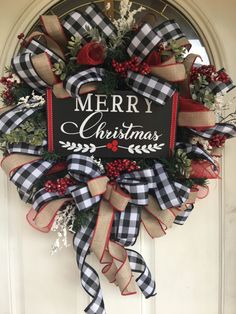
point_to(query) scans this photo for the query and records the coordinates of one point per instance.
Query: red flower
(92, 53)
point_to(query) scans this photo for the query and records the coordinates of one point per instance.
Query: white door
(194, 265)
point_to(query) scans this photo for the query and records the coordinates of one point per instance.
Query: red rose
(92, 53)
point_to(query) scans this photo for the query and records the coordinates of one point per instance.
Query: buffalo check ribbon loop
(35, 64)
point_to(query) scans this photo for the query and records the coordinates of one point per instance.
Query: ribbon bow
(35, 64)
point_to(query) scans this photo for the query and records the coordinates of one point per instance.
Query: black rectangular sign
(122, 125)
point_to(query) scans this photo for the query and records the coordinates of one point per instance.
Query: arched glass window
(162, 10)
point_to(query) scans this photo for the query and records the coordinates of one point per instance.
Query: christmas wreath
(84, 188)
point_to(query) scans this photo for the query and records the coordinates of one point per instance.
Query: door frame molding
(191, 10)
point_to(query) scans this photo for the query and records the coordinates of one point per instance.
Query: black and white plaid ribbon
(97, 19)
(75, 82)
(217, 87)
(89, 277)
(143, 42)
(168, 194)
(35, 48)
(24, 148)
(183, 215)
(26, 176)
(194, 149)
(126, 225)
(145, 282)
(13, 118)
(75, 23)
(43, 197)
(24, 67)
(229, 130)
(169, 30)
(138, 184)
(150, 87)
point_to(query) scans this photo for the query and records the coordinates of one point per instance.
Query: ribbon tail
(89, 277)
(145, 282)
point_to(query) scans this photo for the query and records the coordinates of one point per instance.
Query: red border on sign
(50, 121)
(173, 121)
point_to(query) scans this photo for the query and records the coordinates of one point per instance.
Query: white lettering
(82, 106)
(148, 103)
(116, 104)
(132, 104)
(101, 102)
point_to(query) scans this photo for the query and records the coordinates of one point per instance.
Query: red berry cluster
(133, 65)
(60, 185)
(217, 140)
(209, 71)
(7, 94)
(115, 168)
(113, 146)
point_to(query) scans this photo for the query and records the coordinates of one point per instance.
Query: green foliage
(179, 166)
(52, 156)
(201, 93)
(60, 70)
(109, 83)
(93, 34)
(74, 46)
(83, 217)
(32, 131)
(175, 49)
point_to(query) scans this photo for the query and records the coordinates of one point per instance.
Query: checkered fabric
(169, 30)
(75, 82)
(143, 42)
(43, 197)
(24, 148)
(13, 118)
(25, 197)
(82, 197)
(139, 183)
(194, 149)
(97, 19)
(220, 87)
(126, 225)
(221, 128)
(183, 216)
(75, 24)
(82, 167)
(145, 282)
(26, 176)
(150, 87)
(168, 194)
(24, 68)
(89, 277)
(35, 47)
